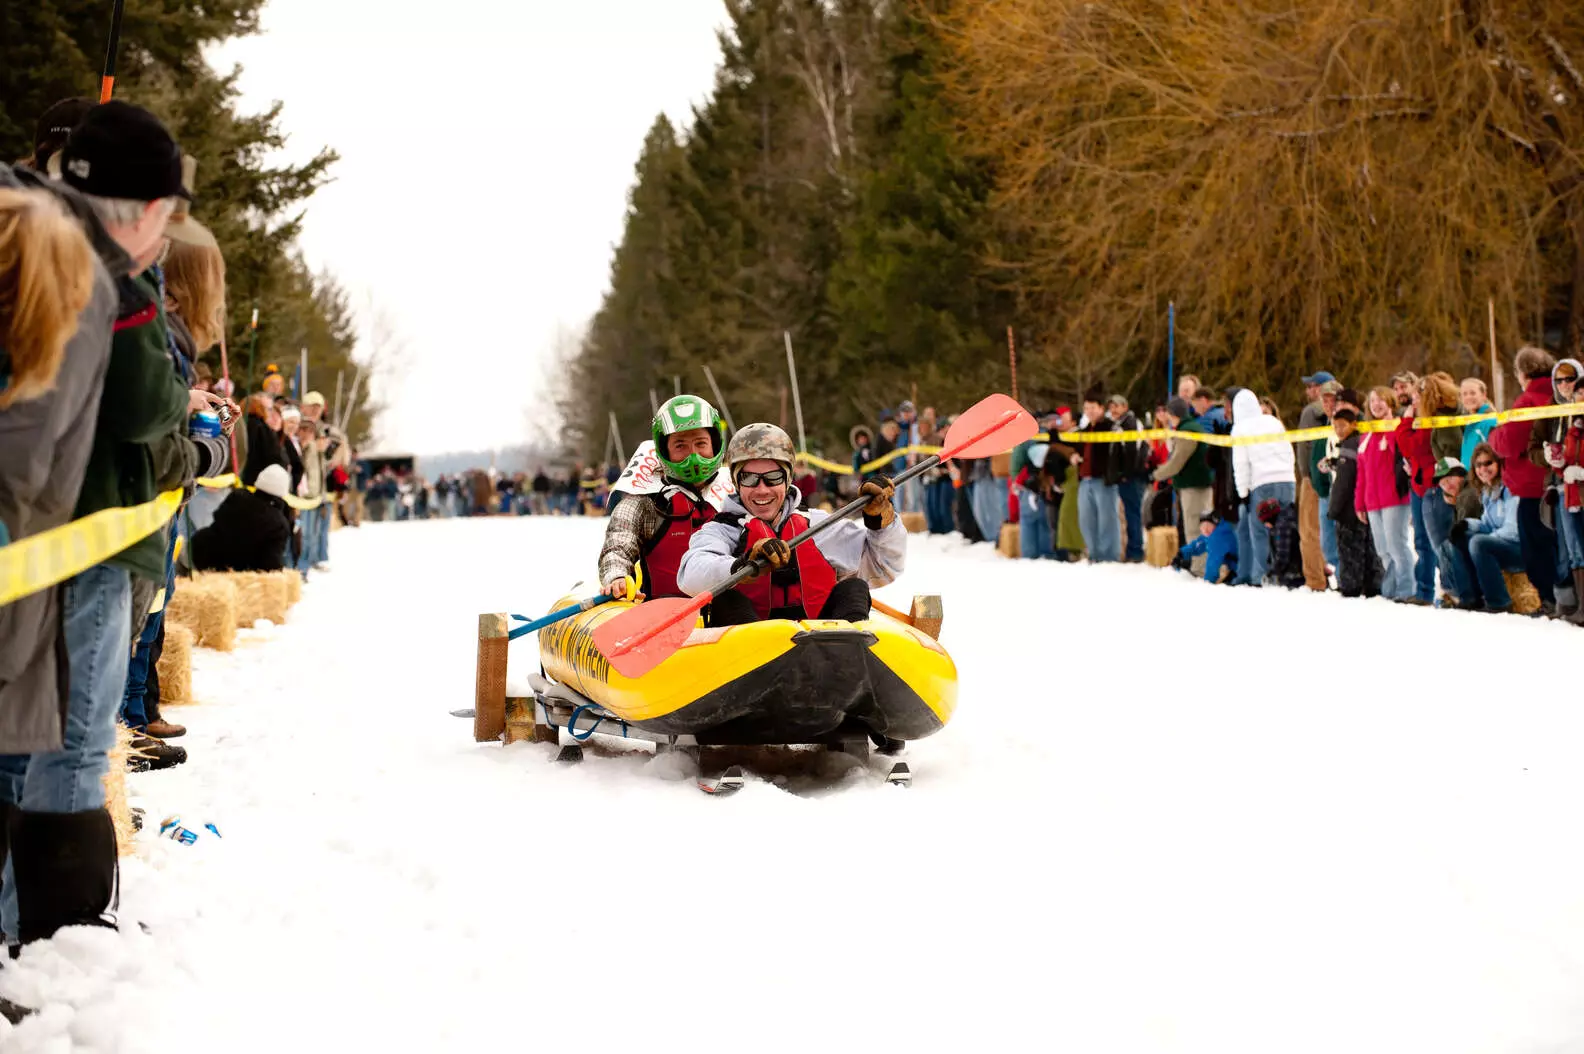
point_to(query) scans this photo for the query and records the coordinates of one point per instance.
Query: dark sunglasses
(1484, 464)
(774, 478)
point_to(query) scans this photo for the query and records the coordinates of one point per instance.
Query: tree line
(893, 183)
(54, 49)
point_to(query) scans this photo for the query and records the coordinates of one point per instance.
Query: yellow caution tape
(1299, 435)
(52, 557)
(230, 480)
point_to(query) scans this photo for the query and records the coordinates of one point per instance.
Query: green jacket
(1196, 473)
(141, 415)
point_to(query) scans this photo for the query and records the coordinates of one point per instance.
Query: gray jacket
(849, 547)
(44, 448)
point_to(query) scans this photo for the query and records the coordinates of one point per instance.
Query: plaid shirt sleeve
(634, 522)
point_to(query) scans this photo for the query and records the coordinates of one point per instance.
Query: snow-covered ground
(1166, 818)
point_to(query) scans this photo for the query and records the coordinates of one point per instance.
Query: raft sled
(772, 683)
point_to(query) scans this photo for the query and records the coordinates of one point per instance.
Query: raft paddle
(641, 638)
(538, 624)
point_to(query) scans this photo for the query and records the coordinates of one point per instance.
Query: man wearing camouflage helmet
(651, 531)
(828, 577)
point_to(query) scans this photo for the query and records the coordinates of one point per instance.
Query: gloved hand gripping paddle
(638, 640)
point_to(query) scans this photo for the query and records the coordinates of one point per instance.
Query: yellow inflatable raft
(773, 682)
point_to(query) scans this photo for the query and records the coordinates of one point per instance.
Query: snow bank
(1168, 817)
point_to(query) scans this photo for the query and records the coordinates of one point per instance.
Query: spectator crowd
(111, 294)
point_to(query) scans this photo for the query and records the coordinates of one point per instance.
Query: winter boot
(150, 755)
(163, 729)
(1577, 618)
(65, 867)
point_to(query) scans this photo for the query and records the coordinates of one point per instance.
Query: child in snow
(1217, 543)
(1286, 564)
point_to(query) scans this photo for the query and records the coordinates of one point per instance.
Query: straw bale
(115, 786)
(294, 585)
(207, 604)
(915, 522)
(1525, 598)
(259, 594)
(1160, 546)
(1010, 545)
(175, 665)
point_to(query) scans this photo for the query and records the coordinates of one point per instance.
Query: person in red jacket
(1435, 395)
(1526, 480)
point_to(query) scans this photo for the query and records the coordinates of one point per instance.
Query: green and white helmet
(680, 414)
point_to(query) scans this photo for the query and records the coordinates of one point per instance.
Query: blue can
(205, 423)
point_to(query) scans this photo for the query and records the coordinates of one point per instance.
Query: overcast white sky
(486, 153)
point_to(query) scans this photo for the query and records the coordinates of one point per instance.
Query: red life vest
(800, 589)
(662, 554)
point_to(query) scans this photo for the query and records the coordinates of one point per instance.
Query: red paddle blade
(993, 425)
(642, 637)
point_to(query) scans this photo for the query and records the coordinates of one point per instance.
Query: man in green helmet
(674, 489)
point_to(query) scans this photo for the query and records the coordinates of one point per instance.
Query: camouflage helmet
(759, 441)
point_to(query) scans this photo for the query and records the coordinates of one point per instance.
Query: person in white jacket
(829, 577)
(1263, 471)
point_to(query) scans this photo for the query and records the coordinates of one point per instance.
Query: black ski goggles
(774, 478)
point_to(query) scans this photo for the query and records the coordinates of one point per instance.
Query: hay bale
(207, 604)
(1525, 597)
(915, 522)
(1160, 546)
(115, 787)
(175, 665)
(259, 595)
(294, 584)
(1010, 544)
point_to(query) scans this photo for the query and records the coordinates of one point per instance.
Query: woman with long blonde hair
(46, 280)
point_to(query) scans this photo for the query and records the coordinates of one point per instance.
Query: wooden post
(927, 615)
(489, 686)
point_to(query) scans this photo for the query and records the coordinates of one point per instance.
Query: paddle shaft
(847, 511)
(556, 616)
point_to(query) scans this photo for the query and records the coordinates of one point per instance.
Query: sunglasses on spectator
(1484, 464)
(774, 478)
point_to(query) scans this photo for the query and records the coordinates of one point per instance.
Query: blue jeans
(989, 506)
(1457, 570)
(1132, 493)
(1034, 530)
(1491, 556)
(321, 549)
(308, 520)
(134, 707)
(1245, 549)
(938, 498)
(1389, 529)
(1259, 536)
(1438, 518)
(1328, 539)
(1424, 548)
(1571, 539)
(1097, 519)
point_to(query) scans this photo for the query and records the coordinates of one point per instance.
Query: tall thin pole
(1012, 357)
(1171, 346)
(107, 82)
(676, 385)
(302, 393)
(225, 375)
(252, 347)
(335, 411)
(720, 400)
(654, 403)
(351, 403)
(1498, 383)
(797, 399)
(621, 451)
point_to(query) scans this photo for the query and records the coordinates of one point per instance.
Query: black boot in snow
(149, 755)
(65, 868)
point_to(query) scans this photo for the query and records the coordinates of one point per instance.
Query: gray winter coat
(44, 448)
